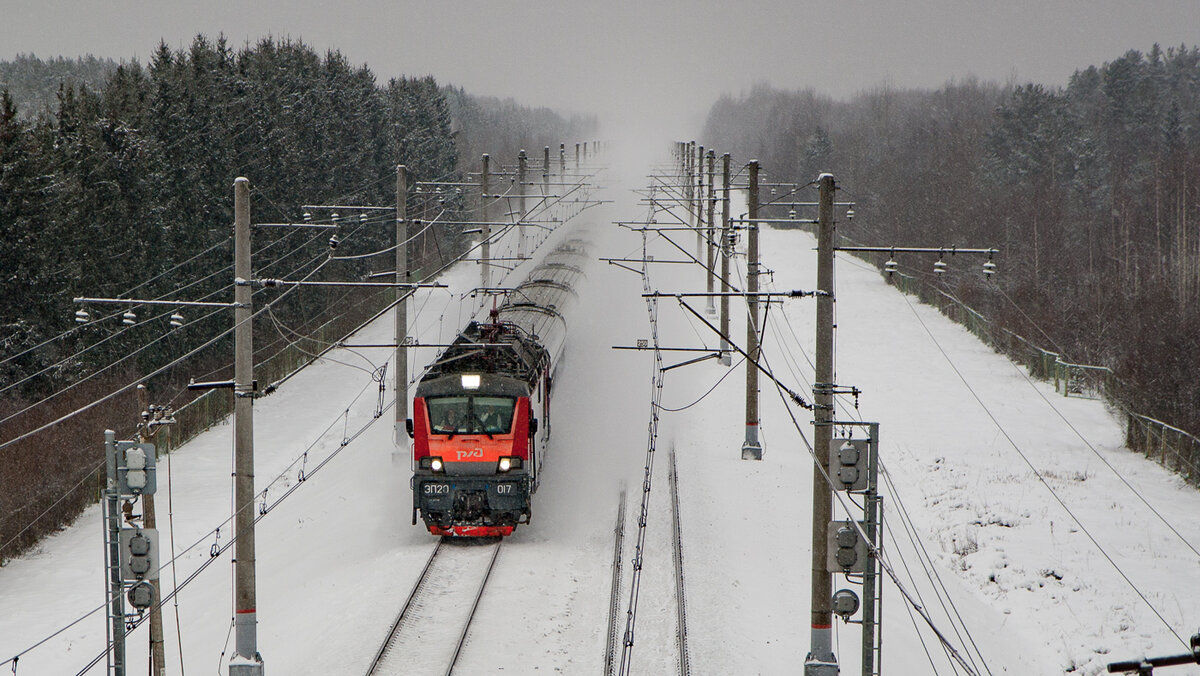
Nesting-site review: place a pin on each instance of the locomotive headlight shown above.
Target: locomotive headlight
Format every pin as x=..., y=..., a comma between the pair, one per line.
x=471, y=381
x=433, y=463
x=508, y=462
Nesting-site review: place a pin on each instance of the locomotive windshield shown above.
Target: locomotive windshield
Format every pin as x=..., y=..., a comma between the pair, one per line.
x=471, y=415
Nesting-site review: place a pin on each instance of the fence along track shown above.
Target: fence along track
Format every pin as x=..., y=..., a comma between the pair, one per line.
x=431, y=628
x=614, y=602
x=685, y=667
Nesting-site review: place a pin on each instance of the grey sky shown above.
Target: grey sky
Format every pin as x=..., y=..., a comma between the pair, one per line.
x=653, y=64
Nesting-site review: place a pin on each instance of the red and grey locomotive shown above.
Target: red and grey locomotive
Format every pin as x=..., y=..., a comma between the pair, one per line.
x=482, y=407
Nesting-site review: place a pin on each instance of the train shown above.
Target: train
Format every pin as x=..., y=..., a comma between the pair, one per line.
x=481, y=410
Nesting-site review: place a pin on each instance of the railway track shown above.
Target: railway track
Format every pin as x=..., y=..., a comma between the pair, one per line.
x=614, y=601
x=432, y=626
x=685, y=667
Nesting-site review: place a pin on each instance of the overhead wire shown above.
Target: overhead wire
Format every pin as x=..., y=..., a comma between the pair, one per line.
x=203, y=538
x=1012, y=442
x=914, y=604
x=174, y=593
x=104, y=369
x=157, y=371
x=346, y=441
x=1121, y=477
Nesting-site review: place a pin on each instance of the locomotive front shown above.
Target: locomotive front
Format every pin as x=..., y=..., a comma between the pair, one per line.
x=475, y=414
x=473, y=439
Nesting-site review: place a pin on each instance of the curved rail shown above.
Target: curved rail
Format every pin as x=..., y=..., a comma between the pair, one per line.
x=438, y=599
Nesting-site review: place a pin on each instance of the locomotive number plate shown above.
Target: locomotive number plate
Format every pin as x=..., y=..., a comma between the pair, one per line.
x=504, y=489
x=437, y=489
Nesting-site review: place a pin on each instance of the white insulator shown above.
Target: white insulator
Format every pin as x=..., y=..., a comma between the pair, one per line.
x=82, y=316
x=129, y=319
x=890, y=266
x=176, y=320
x=989, y=268
x=307, y=217
x=940, y=267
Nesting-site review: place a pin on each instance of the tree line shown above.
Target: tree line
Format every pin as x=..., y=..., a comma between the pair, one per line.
x=1091, y=190
x=124, y=188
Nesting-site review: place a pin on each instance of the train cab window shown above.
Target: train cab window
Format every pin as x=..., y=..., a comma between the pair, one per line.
x=471, y=415
x=494, y=415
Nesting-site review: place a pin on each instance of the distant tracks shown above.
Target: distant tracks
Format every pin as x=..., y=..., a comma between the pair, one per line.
x=684, y=662
x=614, y=602
x=685, y=667
x=431, y=628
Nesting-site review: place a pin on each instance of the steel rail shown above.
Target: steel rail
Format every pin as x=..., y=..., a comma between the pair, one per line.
x=394, y=631
x=685, y=667
x=614, y=600
x=413, y=603
x=462, y=637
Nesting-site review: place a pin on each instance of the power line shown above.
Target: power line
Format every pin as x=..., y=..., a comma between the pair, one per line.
x=1042, y=479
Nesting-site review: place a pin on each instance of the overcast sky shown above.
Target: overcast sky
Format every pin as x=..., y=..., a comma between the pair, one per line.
x=655, y=63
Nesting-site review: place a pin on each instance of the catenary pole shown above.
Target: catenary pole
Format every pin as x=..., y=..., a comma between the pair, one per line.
x=485, y=248
x=112, y=526
x=158, y=654
x=522, y=170
x=246, y=660
x=752, y=448
x=399, y=431
x=711, y=245
x=726, y=252
x=821, y=661
x=698, y=203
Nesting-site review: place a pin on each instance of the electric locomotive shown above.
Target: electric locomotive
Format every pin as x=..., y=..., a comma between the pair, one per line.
x=481, y=408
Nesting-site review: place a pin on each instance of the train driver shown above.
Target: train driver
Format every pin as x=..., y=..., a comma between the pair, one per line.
x=449, y=423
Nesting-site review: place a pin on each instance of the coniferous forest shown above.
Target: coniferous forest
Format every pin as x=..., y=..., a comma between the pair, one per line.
x=124, y=189
x=1091, y=191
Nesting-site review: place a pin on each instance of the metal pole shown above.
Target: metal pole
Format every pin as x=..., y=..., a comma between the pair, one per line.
x=246, y=661
x=158, y=656
x=562, y=159
x=112, y=525
x=576, y=157
x=726, y=253
x=690, y=184
x=698, y=204
x=821, y=661
x=871, y=524
x=522, y=169
x=485, y=249
x=399, y=431
x=545, y=183
x=752, y=448
x=712, y=252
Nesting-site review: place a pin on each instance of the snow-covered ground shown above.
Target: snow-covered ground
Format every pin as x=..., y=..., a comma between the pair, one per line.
x=337, y=557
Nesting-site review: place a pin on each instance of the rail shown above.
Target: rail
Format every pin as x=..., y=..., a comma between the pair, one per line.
x=685, y=668
x=440, y=593
x=614, y=601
